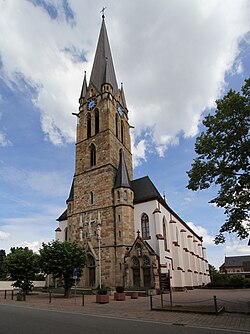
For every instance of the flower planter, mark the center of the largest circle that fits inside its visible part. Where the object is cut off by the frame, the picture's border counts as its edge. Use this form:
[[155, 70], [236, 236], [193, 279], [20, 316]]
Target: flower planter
[[19, 297], [134, 295], [119, 296], [102, 299]]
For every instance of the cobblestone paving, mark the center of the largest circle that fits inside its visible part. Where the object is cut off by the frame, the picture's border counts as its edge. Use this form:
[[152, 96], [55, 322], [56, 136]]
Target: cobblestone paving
[[140, 308]]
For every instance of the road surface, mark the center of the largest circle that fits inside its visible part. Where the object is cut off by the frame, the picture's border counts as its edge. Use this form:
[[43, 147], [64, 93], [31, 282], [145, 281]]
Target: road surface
[[24, 320]]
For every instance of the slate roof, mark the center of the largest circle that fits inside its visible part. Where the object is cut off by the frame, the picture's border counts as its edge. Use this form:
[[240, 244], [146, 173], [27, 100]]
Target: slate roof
[[144, 191], [84, 86], [71, 193], [122, 177], [103, 68], [63, 216], [235, 261]]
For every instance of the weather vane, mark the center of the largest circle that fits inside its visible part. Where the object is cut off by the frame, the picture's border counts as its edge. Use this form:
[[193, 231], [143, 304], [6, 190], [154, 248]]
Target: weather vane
[[102, 11]]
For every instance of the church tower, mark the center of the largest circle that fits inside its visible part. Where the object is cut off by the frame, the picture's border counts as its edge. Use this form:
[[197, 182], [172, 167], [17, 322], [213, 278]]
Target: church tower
[[100, 207]]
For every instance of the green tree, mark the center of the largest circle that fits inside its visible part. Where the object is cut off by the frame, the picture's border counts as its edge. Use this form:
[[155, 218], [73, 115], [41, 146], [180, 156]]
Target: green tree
[[223, 160], [59, 259], [2, 257], [22, 264]]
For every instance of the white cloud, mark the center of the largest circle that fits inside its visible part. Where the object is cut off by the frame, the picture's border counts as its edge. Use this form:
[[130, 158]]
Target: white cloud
[[237, 247], [172, 57], [4, 235], [33, 245], [3, 140], [201, 231], [42, 182], [138, 151]]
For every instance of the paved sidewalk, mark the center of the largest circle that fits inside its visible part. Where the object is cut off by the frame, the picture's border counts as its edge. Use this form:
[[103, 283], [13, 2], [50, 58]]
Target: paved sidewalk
[[140, 308]]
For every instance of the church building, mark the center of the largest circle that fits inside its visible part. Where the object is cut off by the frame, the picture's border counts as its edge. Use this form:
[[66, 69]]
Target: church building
[[131, 237]]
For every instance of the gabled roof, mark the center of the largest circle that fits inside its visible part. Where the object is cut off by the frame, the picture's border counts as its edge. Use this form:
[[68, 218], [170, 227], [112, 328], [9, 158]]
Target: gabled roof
[[145, 243], [103, 68], [122, 177], [63, 216], [235, 261], [145, 191], [71, 194]]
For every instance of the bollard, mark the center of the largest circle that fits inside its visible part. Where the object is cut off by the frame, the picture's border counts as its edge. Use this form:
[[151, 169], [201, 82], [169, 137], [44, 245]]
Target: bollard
[[215, 305], [49, 296], [83, 299], [12, 294], [5, 294], [24, 296], [151, 302]]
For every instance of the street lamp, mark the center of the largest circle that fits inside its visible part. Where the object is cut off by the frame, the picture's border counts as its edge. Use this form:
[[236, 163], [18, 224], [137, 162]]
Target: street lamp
[[81, 228], [99, 252]]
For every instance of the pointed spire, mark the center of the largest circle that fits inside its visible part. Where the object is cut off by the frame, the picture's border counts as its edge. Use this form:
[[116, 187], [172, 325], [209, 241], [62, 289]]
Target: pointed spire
[[122, 178], [71, 193], [84, 87], [103, 67], [123, 96]]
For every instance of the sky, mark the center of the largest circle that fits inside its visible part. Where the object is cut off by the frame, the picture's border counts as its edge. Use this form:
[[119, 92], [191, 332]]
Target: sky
[[174, 58]]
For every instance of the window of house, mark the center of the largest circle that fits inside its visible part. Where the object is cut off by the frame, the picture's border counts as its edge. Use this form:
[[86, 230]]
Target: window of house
[[91, 198], [164, 227], [145, 261], [88, 125], [125, 196], [97, 122], [116, 125], [135, 261], [92, 155], [122, 132], [118, 195], [145, 225]]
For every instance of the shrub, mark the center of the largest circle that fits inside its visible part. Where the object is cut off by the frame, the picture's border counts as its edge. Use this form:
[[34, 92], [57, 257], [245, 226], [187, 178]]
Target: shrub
[[119, 289], [102, 291]]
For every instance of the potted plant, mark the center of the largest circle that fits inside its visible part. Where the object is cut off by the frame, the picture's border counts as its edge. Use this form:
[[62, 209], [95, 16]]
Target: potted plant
[[102, 296], [119, 294], [134, 295]]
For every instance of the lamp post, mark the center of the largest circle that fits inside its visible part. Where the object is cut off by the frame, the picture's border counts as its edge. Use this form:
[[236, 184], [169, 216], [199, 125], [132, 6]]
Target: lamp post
[[99, 252], [80, 228]]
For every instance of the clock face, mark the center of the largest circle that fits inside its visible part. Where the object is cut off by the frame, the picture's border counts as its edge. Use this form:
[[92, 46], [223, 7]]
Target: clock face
[[91, 104], [119, 110]]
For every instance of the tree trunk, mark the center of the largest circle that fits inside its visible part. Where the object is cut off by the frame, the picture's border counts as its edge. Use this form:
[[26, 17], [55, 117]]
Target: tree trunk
[[67, 292]]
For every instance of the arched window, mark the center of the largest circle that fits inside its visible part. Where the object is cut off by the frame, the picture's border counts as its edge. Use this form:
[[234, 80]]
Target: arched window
[[116, 125], [118, 195], [135, 261], [91, 270], [88, 125], [145, 261], [164, 228], [146, 271], [92, 155], [122, 132], [66, 234], [136, 271], [97, 121], [125, 196], [145, 225]]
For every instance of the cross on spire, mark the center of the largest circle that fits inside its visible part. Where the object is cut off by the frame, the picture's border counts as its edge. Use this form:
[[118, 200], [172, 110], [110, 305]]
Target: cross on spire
[[102, 11]]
